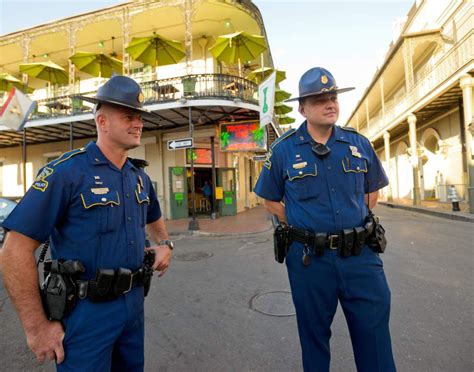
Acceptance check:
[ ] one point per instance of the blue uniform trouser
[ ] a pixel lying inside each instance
(359, 283)
(105, 336)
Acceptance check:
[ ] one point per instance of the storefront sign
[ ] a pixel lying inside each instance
(200, 156)
(242, 136)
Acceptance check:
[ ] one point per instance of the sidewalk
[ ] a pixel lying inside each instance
(252, 221)
(434, 208)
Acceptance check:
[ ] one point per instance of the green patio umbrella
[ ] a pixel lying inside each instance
(237, 47)
(285, 119)
(281, 108)
(155, 50)
(97, 64)
(7, 82)
(48, 71)
(262, 73)
(281, 95)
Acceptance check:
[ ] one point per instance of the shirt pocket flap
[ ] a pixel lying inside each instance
(90, 199)
(307, 170)
(354, 164)
(142, 197)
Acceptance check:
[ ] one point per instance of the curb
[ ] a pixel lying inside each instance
(216, 234)
(437, 213)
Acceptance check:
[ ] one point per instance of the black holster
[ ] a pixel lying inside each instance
(148, 262)
(376, 239)
(281, 242)
(58, 290)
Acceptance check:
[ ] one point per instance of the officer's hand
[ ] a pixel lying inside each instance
(47, 342)
(163, 255)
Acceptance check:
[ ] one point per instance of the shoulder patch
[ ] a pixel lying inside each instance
(283, 137)
(353, 130)
(66, 156)
(40, 182)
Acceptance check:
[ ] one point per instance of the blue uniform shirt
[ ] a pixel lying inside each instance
(92, 211)
(322, 195)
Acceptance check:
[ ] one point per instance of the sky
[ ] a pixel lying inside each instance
(349, 38)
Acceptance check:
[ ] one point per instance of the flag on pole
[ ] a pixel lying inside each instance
(266, 97)
(16, 110)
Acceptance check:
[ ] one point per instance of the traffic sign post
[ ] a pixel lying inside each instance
(179, 144)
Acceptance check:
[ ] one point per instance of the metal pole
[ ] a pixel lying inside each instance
(71, 136)
(193, 224)
(24, 160)
(213, 188)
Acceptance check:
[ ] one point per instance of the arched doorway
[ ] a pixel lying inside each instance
(404, 172)
(431, 164)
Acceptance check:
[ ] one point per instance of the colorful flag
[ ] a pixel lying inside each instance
(16, 110)
(266, 97)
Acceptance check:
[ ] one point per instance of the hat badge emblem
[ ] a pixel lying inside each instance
(140, 97)
(324, 79)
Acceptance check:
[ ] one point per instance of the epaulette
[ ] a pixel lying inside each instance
(66, 156)
(353, 130)
(139, 163)
(283, 136)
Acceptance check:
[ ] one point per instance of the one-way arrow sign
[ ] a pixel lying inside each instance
(184, 143)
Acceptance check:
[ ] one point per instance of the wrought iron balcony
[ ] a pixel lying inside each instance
(189, 87)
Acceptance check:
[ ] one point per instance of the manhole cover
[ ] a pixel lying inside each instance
(276, 303)
(193, 256)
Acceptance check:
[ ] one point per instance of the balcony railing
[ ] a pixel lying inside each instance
(189, 87)
(457, 57)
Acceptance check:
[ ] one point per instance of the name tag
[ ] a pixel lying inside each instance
(100, 190)
(300, 165)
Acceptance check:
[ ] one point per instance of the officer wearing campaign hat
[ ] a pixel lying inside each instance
(321, 181)
(93, 205)
(120, 91)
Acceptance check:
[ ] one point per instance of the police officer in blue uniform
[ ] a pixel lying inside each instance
(93, 204)
(321, 180)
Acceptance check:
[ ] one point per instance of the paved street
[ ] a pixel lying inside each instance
(201, 317)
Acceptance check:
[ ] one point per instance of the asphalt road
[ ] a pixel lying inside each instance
(201, 316)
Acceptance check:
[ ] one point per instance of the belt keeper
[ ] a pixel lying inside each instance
(82, 289)
(319, 242)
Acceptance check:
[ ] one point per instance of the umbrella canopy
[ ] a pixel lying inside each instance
(281, 108)
(261, 74)
(155, 50)
(285, 119)
(239, 46)
(7, 82)
(97, 64)
(281, 95)
(48, 71)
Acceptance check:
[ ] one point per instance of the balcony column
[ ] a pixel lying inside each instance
(386, 145)
(414, 159)
(72, 49)
(382, 100)
(367, 112)
(25, 46)
(126, 27)
(467, 83)
(408, 65)
(357, 121)
(188, 37)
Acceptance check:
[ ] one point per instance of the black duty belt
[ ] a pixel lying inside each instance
(109, 284)
(348, 242)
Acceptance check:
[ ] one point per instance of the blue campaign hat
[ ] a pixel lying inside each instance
(120, 91)
(317, 81)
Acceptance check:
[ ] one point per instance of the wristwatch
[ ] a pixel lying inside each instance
(167, 242)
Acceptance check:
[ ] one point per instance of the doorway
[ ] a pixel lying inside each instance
(203, 191)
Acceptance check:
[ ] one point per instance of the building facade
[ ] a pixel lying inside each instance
(193, 97)
(417, 111)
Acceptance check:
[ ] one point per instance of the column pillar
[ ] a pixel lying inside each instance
(126, 27)
(408, 65)
(188, 37)
(72, 49)
(367, 112)
(386, 144)
(414, 159)
(25, 46)
(466, 84)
